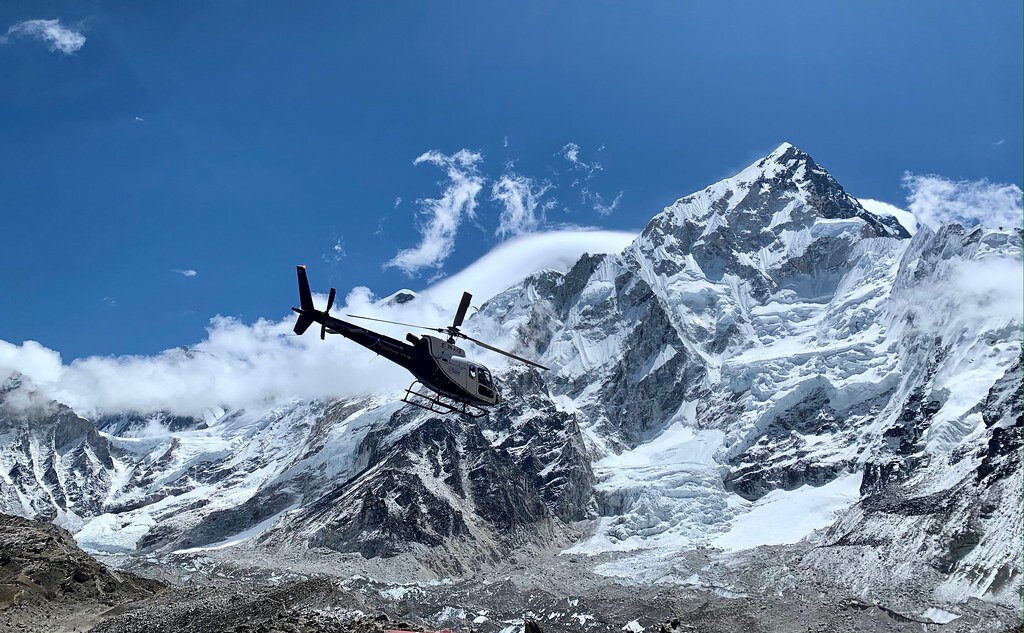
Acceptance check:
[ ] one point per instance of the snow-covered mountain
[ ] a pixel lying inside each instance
(767, 362)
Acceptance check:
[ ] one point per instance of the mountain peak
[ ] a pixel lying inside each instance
(783, 149)
(785, 162)
(770, 189)
(765, 223)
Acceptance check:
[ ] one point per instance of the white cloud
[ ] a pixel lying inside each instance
(242, 365)
(443, 214)
(601, 207)
(935, 201)
(58, 37)
(337, 251)
(904, 217)
(519, 199)
(185, 272)
(37, 363)
(967, 295)
(991, 288)
(571, 153)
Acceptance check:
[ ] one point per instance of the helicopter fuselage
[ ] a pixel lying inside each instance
(439, 364)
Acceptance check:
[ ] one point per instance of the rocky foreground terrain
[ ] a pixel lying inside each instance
(49, 584)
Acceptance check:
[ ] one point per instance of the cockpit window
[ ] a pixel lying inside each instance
(472, 371)
(485, 377)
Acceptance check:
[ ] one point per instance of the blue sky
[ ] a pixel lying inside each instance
(236, 139)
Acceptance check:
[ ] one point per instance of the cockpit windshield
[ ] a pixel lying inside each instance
(485, 377)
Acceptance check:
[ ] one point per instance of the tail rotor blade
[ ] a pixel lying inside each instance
(323, 331)
(460, 314)
(330, 300)
(501, 351)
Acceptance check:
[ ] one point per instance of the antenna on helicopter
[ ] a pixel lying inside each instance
(454, 332)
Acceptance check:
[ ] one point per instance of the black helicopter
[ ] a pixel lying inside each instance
(454, 384)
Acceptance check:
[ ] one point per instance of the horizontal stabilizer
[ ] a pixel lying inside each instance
(303, 323)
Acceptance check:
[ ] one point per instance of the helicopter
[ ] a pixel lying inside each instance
(446, 381)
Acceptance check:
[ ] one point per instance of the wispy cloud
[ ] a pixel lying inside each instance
(935, 201)
(599, 204)
(585, 171)
(337, 251)
(57, 36)
(443, 215)
(521, 210)
(571, 153)
(522, 203)
(185, 272)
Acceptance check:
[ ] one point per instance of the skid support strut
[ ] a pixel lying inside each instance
(437, 403)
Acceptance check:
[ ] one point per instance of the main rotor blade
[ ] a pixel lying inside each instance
(501, 351)
(460, 314)
(422, 327)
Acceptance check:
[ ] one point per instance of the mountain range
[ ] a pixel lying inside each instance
(767, 363)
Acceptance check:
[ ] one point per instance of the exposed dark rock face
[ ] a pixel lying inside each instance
(546, 444)
(439, 481)
(62, 465)
(129, 424)
(1003, 413)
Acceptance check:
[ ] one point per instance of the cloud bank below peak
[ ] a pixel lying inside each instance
(240, 366)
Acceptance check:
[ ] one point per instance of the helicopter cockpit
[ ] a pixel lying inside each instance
(483, 377)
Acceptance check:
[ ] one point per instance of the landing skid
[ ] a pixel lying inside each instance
(437, 403)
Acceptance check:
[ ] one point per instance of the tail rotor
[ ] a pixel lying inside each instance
(306, 310)
(330, 304)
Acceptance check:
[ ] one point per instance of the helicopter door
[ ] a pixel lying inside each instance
(486, 387)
